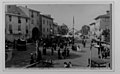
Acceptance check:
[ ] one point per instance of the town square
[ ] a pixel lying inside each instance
(58, 36)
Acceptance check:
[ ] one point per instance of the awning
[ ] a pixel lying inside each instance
(100, 61)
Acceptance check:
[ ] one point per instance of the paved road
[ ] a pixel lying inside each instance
(81, 61)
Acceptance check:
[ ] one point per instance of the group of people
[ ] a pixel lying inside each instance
(67, 65)
(65, 53)
(103, 51)
(37, 56)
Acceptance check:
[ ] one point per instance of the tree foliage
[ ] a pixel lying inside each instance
(85, 29)
(63, 29)
(106, 34)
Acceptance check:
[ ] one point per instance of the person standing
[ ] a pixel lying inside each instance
(52, 51)
(31, 58)
(39, 56)
(59, 54)
(63, 54)
(68, 52)
(84, 43)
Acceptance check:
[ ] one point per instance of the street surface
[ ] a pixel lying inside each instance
(77, 58)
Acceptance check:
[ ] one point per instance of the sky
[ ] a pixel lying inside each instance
(84, 14)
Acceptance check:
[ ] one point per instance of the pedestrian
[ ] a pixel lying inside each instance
(39, 56)
(63, 54)
(14, 43)
(59, 54)
(88, 62)
(68, 52)
(52, 51)
(65, 51)
(84, 43)
(31, 58)
(44, 50)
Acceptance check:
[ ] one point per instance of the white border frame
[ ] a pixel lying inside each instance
(60, 69)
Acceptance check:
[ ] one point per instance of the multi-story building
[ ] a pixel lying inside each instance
(46, 25)
(55, 28)
(92, 28)
(103, 21)
(28, 23)
(16, 23)
(34, 26)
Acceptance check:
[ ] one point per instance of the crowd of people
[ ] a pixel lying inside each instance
(52, 44)
(61, 46)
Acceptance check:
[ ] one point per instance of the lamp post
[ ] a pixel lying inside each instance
(90, 54)
(73, 30)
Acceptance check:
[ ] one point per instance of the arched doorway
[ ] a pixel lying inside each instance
(35, 33)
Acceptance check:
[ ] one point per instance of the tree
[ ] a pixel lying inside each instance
(106, 34)
(85, 29)
(63, 29)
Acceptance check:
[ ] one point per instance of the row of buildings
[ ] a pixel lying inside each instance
(101, 23)
(28, 23)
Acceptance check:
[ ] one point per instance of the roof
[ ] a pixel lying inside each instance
(55, 24)
(49, 17)
(34, 10)
(16, 15)
(103, 16)
(17, 11)
(92, 24)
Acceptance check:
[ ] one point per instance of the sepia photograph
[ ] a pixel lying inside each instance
(58, 36)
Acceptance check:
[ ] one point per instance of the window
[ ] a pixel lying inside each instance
(43, 21)
(47, 30)
(10, 29)
(26, 20)
(18, 13)
(43, 29)
(32, 22)
(9, 6)
(50, 24)
(10, 18)
(19, 20)
(26, 29)
(19, 27)
(32, 15)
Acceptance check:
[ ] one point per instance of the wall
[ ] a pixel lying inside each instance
(14, 23)
(46, 25)
(35, 19)
(105, 23)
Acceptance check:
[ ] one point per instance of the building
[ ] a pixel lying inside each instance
(46, 25)
(103, 21)
(34, 27)
(92, 28)
(55, 28)
(16, 23)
